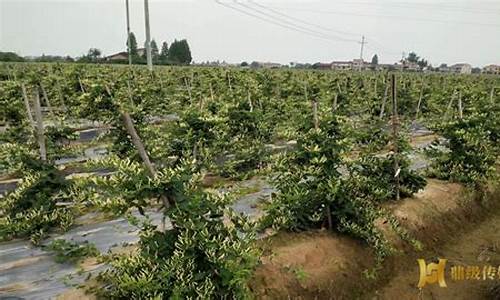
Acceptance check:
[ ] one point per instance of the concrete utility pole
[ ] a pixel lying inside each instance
(361, 54)
(148, 36)
(128, 34)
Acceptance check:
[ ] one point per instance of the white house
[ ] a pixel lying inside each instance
(492, 69)
(461, 68)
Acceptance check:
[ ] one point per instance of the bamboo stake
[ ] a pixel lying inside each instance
(39, 127)
(395, 121)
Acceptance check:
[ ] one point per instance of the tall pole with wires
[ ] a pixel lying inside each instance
(148, 36)
(361, 53)
(128, 34)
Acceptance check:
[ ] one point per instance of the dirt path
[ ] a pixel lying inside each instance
(478, 245)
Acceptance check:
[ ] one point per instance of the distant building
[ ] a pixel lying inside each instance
(359, 64)
(118, 56)
(341, 65)
(124, 55)
(411, 66)
(322, 66)
(443, 68)
(461, 69)
(265, 65)
(492, 69)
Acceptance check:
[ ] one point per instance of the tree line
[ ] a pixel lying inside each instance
(178, 53)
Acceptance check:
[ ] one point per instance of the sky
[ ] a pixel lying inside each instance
(452, 31)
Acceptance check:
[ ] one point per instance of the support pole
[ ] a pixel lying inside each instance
(460, 106)
(128, 34)
(315, 114)
(395, 121)
(382, 108)
(419, 101)
(27, 105)
(39, 127)
(148, 36)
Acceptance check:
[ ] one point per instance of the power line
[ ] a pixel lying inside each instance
(269, 18)
(282, 20)
(280, 24)
(302, 21)
(320, 27)
(389, 17)
(425, 6)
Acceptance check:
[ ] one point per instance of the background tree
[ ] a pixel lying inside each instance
(179, 52)
(154, 51)
(164, 53)
(133, 47)
(94, 54)
(412, 57)
(10, 56)
(374, 63)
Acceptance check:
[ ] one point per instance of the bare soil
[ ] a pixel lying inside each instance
(449, 221)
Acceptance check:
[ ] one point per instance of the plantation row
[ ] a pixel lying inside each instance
(335, 146)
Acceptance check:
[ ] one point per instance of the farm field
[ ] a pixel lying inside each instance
(194, 182)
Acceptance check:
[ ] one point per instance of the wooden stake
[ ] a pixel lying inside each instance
(61, 96)
(315, 114)
(460, 112)
(395, 121)
(39, 127)
(329, 217)
(27, 105)
(450, 104)
(211, 92)
(81, 85)
(335, 99)
(188, 89)
(249, 100)
(229, 81)
(136, 140)
(384, 99)
(419, 100)
(305, 92)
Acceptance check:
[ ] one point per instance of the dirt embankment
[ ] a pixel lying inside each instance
(448, 220)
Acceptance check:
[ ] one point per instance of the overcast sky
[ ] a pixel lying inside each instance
(306, 31)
